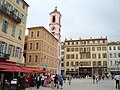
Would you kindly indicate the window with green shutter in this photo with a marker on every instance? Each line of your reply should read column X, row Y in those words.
column 4, row 26
column 24, row 5
column 20, row 35
column 13, row 31
column 17, row 1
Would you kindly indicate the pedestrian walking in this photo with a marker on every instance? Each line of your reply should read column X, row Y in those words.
column 99, row 77
column 42, row 80
column 56, row 81
column 69, row 79
column 52, row 81
column 117, row 78
column 96, row 78
column 64, row 78
column 52, row 84
column 61, row 80
column 47, row 81
column 93, row 78
column 29, row 80
column 38, row 81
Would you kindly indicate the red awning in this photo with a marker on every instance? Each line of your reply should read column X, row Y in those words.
column 10, row 67
column 26, row 70
column 14, row 69
column 36, row 70
column 4, row 67
column 32, row 69
column 44, row 71
column 7, row 63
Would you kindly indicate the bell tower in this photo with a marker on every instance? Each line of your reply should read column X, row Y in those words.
column 55, row 30
column 55, row 23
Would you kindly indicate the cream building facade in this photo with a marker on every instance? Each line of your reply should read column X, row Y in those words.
column 13, row 17
column 41, row 49
column 85, row 56
column 114, row 57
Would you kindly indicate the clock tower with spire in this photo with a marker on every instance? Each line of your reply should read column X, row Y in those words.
column 55, row 23
column 55, row 29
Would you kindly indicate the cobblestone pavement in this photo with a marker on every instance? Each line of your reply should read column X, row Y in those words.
column 83, row 84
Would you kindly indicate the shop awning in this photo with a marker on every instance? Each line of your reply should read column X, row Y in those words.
column 32, row 69
column 2, row 67
column 14, row 69
column 29, row 69
column 44, row 71
column 36, row 70
column 7, row 63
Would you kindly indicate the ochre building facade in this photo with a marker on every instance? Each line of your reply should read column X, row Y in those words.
column 41, row 49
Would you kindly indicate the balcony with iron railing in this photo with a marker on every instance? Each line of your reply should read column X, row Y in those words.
column 4, row 10
column 4, row 56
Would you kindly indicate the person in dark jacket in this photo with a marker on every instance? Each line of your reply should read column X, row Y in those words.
column 38, row 79
column 93, row 78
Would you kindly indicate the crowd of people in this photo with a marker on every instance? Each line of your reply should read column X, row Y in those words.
column 53, row 81
column 97, row 77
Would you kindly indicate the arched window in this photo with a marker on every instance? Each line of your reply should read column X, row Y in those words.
column 53, row 19
column 37, row 45
column 38, row 33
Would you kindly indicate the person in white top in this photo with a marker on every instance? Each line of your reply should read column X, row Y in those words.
column 42, row 79
column 52, row 81
column 96, row 78
column 69, row 79
column 117, row 78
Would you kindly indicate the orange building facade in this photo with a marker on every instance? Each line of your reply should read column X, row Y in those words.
column 41, row 51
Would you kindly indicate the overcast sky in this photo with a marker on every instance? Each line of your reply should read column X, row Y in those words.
column 80, row 18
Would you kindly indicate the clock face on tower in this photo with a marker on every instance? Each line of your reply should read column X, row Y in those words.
column 53, row 28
